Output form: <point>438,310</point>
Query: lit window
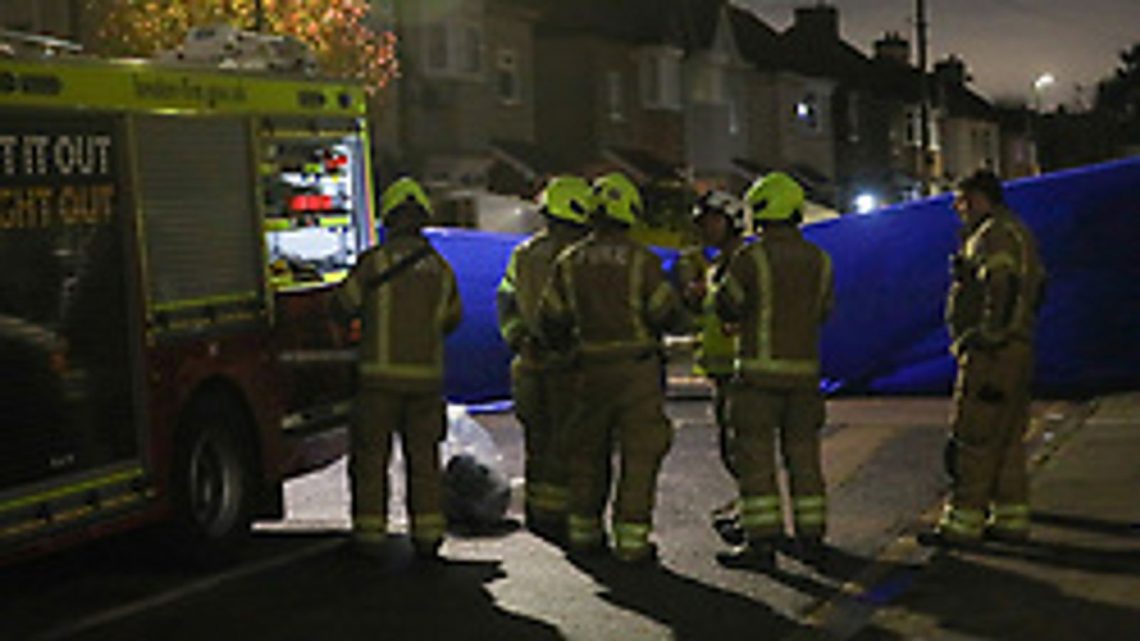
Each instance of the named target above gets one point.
<point>807,112</point>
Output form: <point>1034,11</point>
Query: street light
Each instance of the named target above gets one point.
<point>1043,82</point>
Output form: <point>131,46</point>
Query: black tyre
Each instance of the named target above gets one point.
<point>213,481</point>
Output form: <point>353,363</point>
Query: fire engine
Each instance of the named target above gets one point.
<point>170,238</point>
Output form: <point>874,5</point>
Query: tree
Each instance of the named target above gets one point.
<point>1118,96</point>
<point>344,44</point>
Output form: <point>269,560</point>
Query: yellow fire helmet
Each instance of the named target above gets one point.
<point>618,197</point>
<point>567,198</point>
<point>774,197</point>
<point>405,190</point>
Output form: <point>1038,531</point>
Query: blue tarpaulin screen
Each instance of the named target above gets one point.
<point>886,334</point>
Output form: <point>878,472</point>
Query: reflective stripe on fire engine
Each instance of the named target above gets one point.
<point>209,301</point>
<point>64,491</point>
<point>301,356</point>
<point>72,502</point>
<point>301,420</point>
<point>135,86</point>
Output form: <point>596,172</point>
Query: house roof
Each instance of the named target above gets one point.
<point>962,102</point>
<point>759,43</point>
<point>807,53</point>
<point>687,24</point>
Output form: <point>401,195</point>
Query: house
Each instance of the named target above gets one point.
<point>609,94</point>
<point>465,103</point>
<point>789,116</point>
<point>860,116</point>
<point>969,129</point>
<point>57,18</point>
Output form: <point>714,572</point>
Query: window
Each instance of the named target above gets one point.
<point>661,79</point>
<point>472,50</point>
<point>614,100</point>
<point>437,58</point>
<point>806,112</point>
<point>708,85</point>
<point>507,77</point>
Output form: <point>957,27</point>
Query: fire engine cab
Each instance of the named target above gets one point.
<point>169,241</point>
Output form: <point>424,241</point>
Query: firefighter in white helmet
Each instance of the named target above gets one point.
<point>722,221</point>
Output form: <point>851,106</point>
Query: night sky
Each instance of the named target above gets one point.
<point>1006,43</point>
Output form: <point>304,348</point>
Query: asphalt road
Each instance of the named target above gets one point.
<point>297,581</point>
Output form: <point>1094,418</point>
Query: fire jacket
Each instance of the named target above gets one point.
<point>997,284</point>
<point>609,297</point>
<point>780,290</point>
<point>406,318</point>
<point>520,292</point>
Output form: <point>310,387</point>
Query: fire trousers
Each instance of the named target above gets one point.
<point>991,395</point>
<point>759,417</point>
<point>721,385</point>
<point>619,403</point>
<point>420,421</point>
<point>544,398</point>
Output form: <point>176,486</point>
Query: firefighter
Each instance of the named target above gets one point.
<point>779,289</point>
<point>406,295</point>
<point>543,379</point>
<point>990,312</point>
<point>722,221</point>
<point>608,295</point>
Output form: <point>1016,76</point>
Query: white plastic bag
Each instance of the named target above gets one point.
<point>476,492</point>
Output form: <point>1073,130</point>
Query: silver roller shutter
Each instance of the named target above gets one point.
<point>196,195</point>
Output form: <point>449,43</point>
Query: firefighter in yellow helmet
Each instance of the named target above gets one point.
<point>406,295</point>
<point>543,378</point>
<point>779,289</point>
<point>991,312</point>
<point>609,297</point>
<point>722,221</point>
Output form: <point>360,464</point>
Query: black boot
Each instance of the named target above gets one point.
<point>759,556</point>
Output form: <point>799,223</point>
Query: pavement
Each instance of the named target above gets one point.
<point>1077,578</point>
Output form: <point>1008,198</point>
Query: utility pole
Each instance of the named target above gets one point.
<point>924,99</point>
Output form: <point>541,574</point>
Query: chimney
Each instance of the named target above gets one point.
<point>819,21</point>
<point>892,47</point>
<point>951,70</point>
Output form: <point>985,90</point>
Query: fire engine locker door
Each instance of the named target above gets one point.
<point>196,193</point>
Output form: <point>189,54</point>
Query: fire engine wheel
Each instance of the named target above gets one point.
<point>214,480</point>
